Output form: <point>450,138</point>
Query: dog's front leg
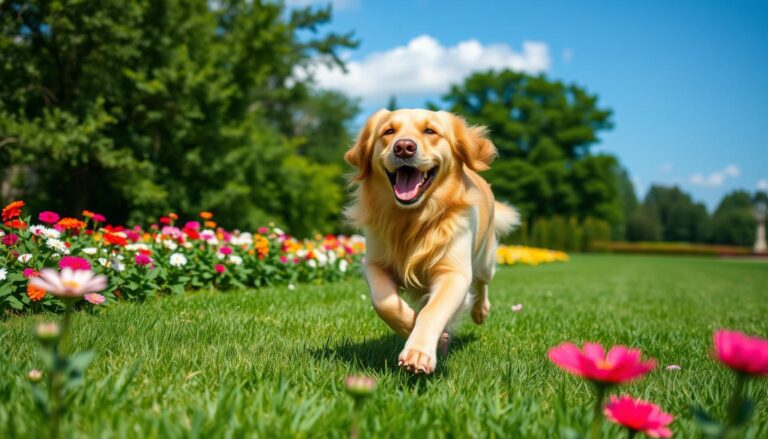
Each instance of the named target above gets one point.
<point>448,292</point>
<point>387,303</point>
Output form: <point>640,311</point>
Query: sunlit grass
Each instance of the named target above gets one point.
<point>271,362</point>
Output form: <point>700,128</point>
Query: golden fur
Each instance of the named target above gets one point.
<point>442,245</point>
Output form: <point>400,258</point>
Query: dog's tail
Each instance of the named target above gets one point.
<point>505,218</point>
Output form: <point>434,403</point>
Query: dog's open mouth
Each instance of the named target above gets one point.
<point>410,183</point>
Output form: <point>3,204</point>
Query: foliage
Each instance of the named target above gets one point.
<point>167,259</point>
<point>733,222</point>
<point>137,107</point>
<point>681,218</point>
<point>670,248</point>
<point>543,130</point>
<point>272,362</point>
<point>567,234</point>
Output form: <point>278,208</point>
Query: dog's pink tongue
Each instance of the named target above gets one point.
<point>407,183</point>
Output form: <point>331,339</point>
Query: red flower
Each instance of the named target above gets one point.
<point>111,238</point>
<point>48,217</point>
<point>113,229</point>
<point>165,220</point>
<point>191,233</point>
<point>638,415</point>
<point>74,262</point>
<point>620,365</point>
<point>741,352</point>
<point>10,239</point>
<point>13,210</point>
<point>16,224</point>
<point>220,268</point>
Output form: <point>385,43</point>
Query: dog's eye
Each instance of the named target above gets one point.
<point>429,131</point>
<point>389,132</point>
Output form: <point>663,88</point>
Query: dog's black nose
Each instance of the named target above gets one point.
<point>405,148</point>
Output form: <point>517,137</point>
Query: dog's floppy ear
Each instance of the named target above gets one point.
<point>472,144</point>
<point>359,155</point>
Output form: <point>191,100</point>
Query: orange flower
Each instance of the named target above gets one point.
<point>12,210</point>
<point>173,216</point>
<point>206,215</point>
<point>71,223</point>
<point>88,214</point>
<point>35,293</point>
<point>210,224</point>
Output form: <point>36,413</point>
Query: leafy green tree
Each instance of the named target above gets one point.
<point>733,221</point>
<point>138,108</point>
<point>644,224</point>
<point>681,218</point>
<point>544,130</point>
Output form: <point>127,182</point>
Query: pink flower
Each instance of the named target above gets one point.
<point>142,259</point>
<point>225,251</point>
<point>284,259</point>
<point>69,283</point>
<point>74,262</point>
<point>517,308</point>
<point>30,272</point>
<point>741,352</point>
<point>220,268</point>
<point>94,298</point>
<point>620,365</point>
<point>638,415</point>
<point>48,217</point>
<point>99,218</point>
<point>194,225</point>
<point>10,239</point>
<point>263,230</point>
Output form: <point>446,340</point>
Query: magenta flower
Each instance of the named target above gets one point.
<point>284,259</point>
<point>95,298</point>
<point>48,217</point>
<point>742,353</point>
<point>99,218</point>
<point>69,283</point>
<point>618,366</point>
<point>263,230</point>
<point>225,251</point>
<point>30,272</point>
<point>220,268</point>
<point>74,262</point>
<point>10,239</point>
<point>194,225</point>
<point>142,259</point>
<point>639,416</point>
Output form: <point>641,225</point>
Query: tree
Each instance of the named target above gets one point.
<point>733,221</point>
<point>135,109</point>
<point>681,219</point>
<point>543,130</point>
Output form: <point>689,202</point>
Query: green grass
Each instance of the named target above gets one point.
<point>270,363</point>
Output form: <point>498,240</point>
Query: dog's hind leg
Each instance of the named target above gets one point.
<point>480,303</point>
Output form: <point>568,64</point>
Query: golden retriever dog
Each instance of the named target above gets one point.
<point>431,224</point>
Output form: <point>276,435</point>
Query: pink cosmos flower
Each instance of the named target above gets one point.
<point>220,268</point>
<point>142,259</point>
<point>10,239</point>
<point>638,415</point>
<point>225,251</point>
<point>517,308</point>
<point>69,283</point>
<point>94,298</point>
<point>48,217</point>
<point>620,365</point>
<point>741,352</point>
<point>74,262</point>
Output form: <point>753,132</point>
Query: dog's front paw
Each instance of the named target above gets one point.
<point>480,310</point>
<point>417,360</point>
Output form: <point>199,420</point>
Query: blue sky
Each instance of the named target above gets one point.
<point>688,81</point>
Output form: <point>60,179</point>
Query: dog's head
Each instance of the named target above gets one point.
<point>416,151</point>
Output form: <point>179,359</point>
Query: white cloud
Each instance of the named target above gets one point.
<point>424,67</point>
<point>337,5</point>
<point>567,55</point>
<point>762,184</point>
<point>715,179</point>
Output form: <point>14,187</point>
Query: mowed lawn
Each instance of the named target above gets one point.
<point>271,363</point>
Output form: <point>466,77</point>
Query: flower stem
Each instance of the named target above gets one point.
<point>56,373</point>
<point>597,416</point>
<point>735,405</point>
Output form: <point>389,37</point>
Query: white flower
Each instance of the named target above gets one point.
<point>51,233</point>
<point>37,229</point>
<point>104,262</point>
<point>57,245</point>
<point>3,273</point>
<point>278,231</point>
<point>178,260</point>
<point>322,258</point>
<point>220,255</point>
<point>187,244</point>
<point>242,239</point>
<point>26,257</point>
<point>90,250</point>
<point>2,233</point>
<point>69,283</point>
<point>312,263</point>
<point>343,265</point>
<point>117,265</point>
<point>170,244</point>
<point>235,259</point>
<point>331,256</point>
<point>291,287</point>
<point>136,247</point>
<point>301,253</point>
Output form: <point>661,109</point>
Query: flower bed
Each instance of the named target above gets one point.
<point>518,254</point>
<point>165,258</point>
<point>670,248</point>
